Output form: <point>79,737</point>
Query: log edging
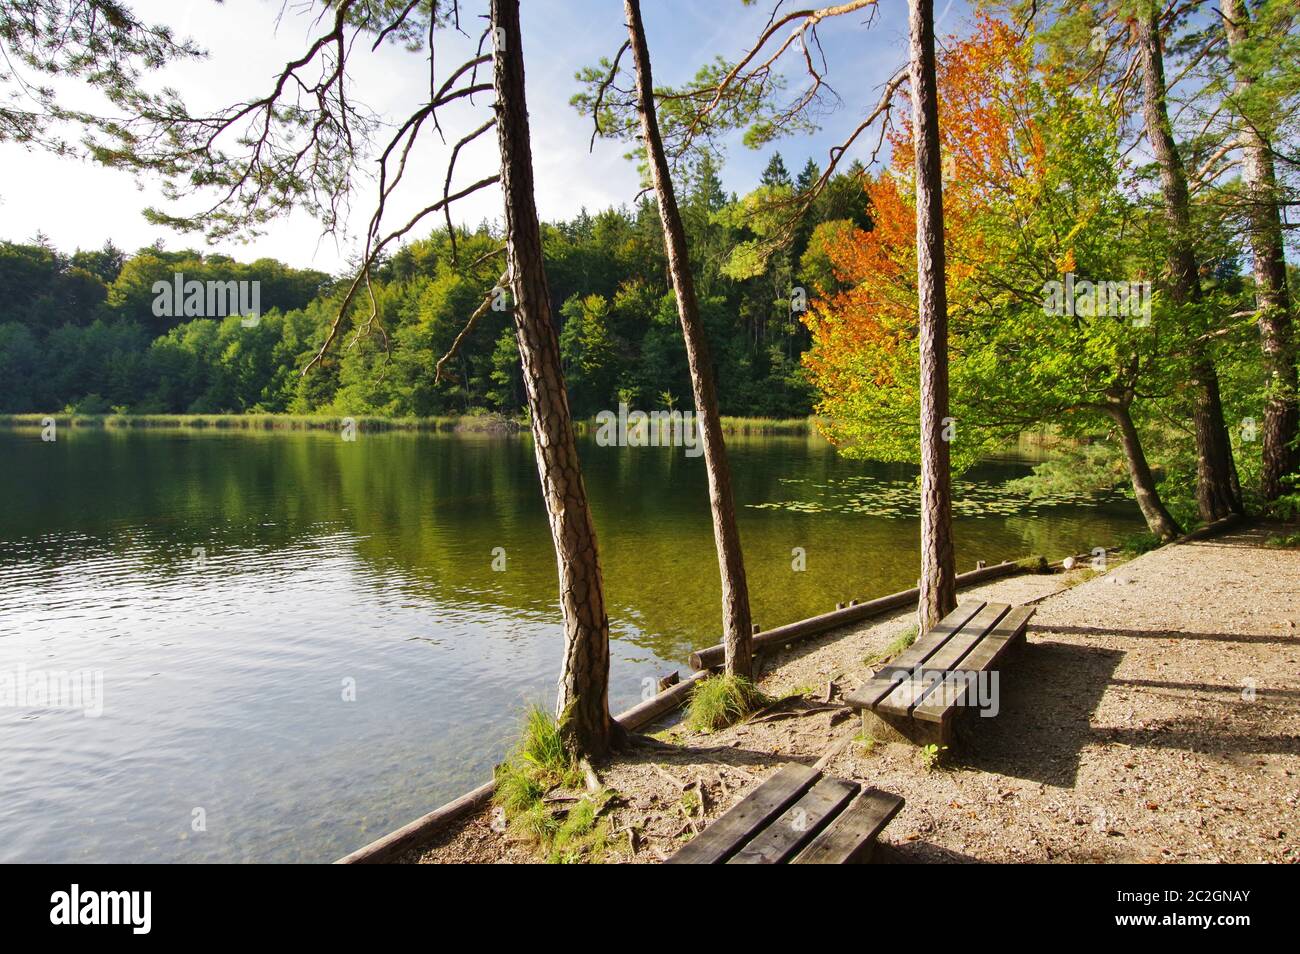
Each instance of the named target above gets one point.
<point>792,632</point>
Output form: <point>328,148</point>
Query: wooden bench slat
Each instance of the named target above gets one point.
<point>800,823</point>
<point>720,840</point>
<point>991,648</point>
<point>944,698</point>
<point>850,837</point>
<point>886,680</point>
<point>961,643</point>
<point>930,643</point>
<point>907,695</point>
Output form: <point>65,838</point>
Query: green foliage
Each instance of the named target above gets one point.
<point>868,742</point>
<point>1141,543</point>
<point>78,326</point>
<point>719,701</point>
<point>931,755</point>
<point>1075,468</point>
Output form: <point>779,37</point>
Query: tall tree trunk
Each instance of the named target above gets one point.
<point>1272,297</point>
<point>1217,491</point>
<point>1153,510</point>
<point>584,677</point>
<point>726,535</point>
<point>938,562</point>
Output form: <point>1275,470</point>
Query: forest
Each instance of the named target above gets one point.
<point>78,330</point>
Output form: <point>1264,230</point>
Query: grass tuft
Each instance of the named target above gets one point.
<point>568,833</point>
<point>896,645</point>
<point>719,701</point>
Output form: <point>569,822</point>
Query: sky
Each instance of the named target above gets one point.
<point>79,204</point>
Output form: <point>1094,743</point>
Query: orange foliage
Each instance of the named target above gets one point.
<point>978,78</point>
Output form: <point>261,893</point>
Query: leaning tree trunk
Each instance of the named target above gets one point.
<point>726,535</point>
<point>938,562</point>
<point>584,678</point>
<point>1217,491</point>
<point>1153,509</point>
<point>1272,297</point>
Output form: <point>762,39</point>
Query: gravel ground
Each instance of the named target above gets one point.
<point>1154,715</point>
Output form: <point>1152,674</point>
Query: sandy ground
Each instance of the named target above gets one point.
<point>1154,715</point>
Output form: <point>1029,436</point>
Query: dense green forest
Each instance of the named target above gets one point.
<point>79,331</point>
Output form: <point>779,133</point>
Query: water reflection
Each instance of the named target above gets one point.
<point>229,585</point>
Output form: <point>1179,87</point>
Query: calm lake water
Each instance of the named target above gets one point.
<point>304,644</point>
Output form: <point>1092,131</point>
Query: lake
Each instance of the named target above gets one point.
<point>306,642</point>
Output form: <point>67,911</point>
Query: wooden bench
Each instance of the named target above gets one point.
<point>799,817</point>
<point>917,695</point>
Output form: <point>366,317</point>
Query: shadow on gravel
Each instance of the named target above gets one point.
<point>1048,694</point>
<point>1246,638</point>
<point>920,853</point>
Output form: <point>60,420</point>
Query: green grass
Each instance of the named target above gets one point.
<point>266,422</point>
<point>769,425</point>
<point>719,701</point>
<point>1289,542</point>
<point>1141,543</point>
<point>479,421</point>
<point>583,836</point>
<point>896,645</point>
<point>566,833</point>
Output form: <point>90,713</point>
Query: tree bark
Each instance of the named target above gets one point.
<point>584,676</point>
<point>1217,491</point>
<point>1153,509</point>
<point>726,535</point>
<point>938,562</point>
<point>1272,297</point>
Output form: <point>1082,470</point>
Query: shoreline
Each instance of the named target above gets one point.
<point>1125,766</point>
<point>487,422</point>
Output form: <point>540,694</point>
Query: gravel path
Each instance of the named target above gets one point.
<point>1154,715</point>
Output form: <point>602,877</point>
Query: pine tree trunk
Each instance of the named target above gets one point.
<point>1272,297</point>
<point>938,562</point>
<point>1217,491</point>
<point>1153,509</point>
<point>584,677</point>
<point>726,535</point>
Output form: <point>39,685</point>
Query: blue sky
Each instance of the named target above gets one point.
<point>78,204</point>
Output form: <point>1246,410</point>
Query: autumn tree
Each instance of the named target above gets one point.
<point>1033,193</point>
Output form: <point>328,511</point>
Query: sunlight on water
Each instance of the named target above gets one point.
<point>231,587</point>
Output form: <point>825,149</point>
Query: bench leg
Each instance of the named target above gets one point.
<point>889,728</point>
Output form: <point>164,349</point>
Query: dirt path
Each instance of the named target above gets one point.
<point>1154,715</point>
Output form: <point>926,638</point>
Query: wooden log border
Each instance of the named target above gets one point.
<point>853,613</point>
